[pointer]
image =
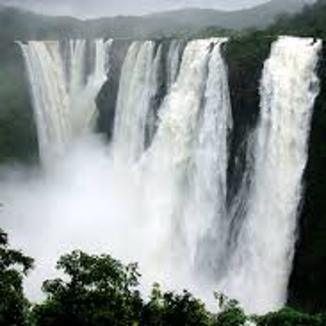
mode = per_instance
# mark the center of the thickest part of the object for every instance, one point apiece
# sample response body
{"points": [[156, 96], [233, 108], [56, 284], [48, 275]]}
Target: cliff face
{"points": [[107, 98], [245, 59], [17, 129]]}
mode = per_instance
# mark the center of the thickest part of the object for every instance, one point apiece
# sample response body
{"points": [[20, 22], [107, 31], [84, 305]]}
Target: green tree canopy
{"points": [[14, 266], [99, 291], [170, 309]]}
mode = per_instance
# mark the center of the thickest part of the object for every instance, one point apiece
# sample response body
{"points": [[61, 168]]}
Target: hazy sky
{"points": [[93, 8]]}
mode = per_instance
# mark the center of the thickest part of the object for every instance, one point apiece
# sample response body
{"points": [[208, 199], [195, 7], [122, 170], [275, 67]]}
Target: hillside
{"points": [[19, 24], [256, 17]]}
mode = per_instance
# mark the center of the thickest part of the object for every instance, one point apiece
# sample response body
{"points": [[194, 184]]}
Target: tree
{"points": [[230, 312], [290, 317], [14, 266], [170, 309], [99, 291]]}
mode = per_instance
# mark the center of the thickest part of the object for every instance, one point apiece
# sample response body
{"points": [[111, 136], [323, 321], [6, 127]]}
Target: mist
{"points": [[82, 200], [97, 8]]}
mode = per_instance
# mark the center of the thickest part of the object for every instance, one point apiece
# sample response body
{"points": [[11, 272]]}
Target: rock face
{"points": [[18, 140], [106, 100], [245, 59]]}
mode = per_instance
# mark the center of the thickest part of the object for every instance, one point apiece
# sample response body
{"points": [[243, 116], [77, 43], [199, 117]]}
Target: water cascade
{"points": [[64, 89], [160, 196], [184, 171], [138, 86], [262, 261]]}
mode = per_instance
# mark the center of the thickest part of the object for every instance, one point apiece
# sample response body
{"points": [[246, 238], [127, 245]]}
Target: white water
{"points": [[262, 264], [165, 206], [173, 61], [208, 180], [138, 85], [176, 169], [64, 102]]}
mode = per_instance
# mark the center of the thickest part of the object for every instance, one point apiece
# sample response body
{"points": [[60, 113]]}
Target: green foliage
{"points": [[99, 291], [231, 317], [290, 317], [102, 291], [169, 309], [14, 266], [230, 312], [310, 22]]}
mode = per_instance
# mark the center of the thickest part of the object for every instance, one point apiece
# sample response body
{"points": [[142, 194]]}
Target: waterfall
{"points": [[159, 191], [208, 180], [173, 60], [63, 96], [184, 171], [136, 90], [263, 258]]}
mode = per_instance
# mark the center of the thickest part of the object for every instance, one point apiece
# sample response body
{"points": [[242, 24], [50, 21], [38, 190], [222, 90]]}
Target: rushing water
{"points": [[63, 93], [263, 258], [138, 85], [158, 193]]}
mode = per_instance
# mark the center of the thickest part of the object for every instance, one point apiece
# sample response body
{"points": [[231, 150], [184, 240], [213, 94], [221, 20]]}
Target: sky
{"points": [[97, 8]]}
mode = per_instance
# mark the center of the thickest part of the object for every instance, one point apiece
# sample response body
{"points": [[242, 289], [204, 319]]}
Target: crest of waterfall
{"points": [[64, 100], [259, 273]]}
